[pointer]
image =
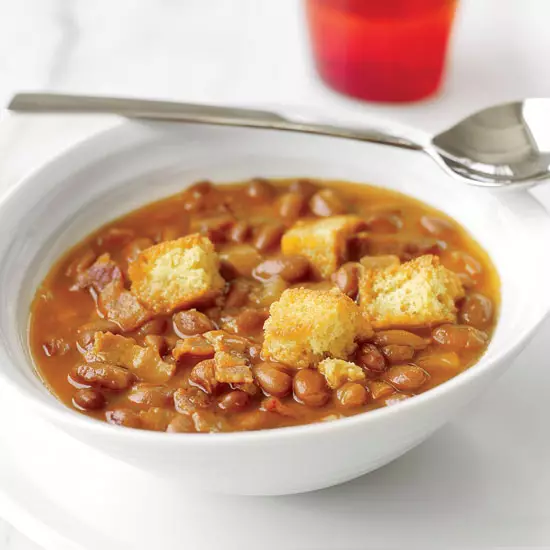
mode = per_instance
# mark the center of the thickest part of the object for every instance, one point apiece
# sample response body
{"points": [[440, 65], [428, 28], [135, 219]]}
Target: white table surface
{"points": [[255, 51]]}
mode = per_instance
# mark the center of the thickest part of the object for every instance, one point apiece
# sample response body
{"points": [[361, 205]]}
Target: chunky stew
{"points": [[262, 304]]}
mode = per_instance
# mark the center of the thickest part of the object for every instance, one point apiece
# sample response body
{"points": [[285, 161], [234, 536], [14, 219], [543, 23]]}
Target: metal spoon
{"points": [[502, 146]]}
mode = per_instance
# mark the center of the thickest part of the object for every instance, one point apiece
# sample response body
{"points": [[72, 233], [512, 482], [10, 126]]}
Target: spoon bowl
{"points": [[505, 145]]}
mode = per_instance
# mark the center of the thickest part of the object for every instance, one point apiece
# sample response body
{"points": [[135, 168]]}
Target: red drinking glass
{"points": [[381, 50]]}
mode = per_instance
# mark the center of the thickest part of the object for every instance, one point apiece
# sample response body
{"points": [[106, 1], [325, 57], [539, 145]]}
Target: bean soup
{"points": [[262, 304]]}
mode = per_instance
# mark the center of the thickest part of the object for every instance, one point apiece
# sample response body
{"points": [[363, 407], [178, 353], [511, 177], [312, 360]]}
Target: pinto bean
{"points": [[438, 227], [440, 362], [217, 227], [291, 205], [234, 401], [261, 190], [242, 259], [55, 346], [291, 268], [396, 354], [238, 292], [273, 379], [466, 281], [155, 327], [240, 232], [310, 388], [268, 236], [351, 395], [400, 338], [227, 270], [194, 198], [346, 279], [203, 375], [304, 187], [250, 321], [457, 337], [384, 223], [269, 292], [254, 352], [151, 395], [476, 310], [420, 247], [380, 389], [370, 357], [463, 263], [89, 399], [406, 377], [86, 333], [187, 401], [326, 203], [103, 375], [191, 323], [201, 188]]}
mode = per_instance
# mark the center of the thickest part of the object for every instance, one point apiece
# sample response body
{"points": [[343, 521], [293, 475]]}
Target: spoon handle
{"points": [[190, 112]]}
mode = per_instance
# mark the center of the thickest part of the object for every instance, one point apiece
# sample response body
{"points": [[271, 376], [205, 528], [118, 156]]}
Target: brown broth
{"points": [[58, 312]]}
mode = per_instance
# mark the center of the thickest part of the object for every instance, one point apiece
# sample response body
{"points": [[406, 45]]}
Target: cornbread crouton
{"points": [[322, 242], [306, 326], [338, 372], [143, 361], [417, 293], [176, 274]]}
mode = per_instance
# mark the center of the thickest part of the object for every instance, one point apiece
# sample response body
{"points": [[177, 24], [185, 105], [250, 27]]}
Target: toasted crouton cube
{"points": [[338, 372], [415, 294], [305, 326], [323, 242], [176, 274]]}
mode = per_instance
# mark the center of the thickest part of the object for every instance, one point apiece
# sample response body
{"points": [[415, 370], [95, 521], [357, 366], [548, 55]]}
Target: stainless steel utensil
{"points": [[502, 146]]}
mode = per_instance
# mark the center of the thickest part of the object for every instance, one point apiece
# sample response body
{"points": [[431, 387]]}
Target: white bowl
{"points": [[135, 163]]}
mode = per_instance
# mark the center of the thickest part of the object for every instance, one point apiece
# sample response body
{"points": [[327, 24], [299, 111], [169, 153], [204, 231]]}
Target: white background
{"points": [[484, 480]]}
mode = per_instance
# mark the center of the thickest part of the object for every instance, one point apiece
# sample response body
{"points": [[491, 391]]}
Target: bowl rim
{"points": [[57, 412]]}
